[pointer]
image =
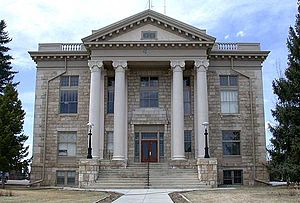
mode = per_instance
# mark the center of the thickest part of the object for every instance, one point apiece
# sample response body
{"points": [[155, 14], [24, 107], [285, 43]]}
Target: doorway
{"points": [[149, 151]]}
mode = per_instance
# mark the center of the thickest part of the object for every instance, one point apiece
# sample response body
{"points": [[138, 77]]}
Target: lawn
{"points": [[245, 194], [26, 195]]}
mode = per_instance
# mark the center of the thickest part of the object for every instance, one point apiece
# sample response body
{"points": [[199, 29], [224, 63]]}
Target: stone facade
{"points": [[149, 59]]}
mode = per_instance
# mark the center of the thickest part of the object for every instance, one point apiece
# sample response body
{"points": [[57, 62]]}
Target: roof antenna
{"points": [[149, 2], [165, 7]]}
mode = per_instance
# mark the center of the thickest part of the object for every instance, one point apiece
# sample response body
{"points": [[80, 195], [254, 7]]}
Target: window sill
{"points": [[68, 114], [232, 156], [230, 115]]}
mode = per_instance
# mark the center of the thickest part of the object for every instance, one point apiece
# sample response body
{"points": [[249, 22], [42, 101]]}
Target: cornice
{"points": [[142, 44], [241, 55], [39, 56]]}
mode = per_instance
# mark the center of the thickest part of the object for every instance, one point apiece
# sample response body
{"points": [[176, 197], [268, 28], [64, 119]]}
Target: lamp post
{"points": [[205, 124], [90, 126]]}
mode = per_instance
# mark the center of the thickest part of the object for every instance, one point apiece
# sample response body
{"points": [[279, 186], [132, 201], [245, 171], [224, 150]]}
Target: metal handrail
{"points": [[148, 174]]}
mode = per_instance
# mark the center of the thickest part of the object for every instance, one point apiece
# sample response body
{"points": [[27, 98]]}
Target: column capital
{"points": [[201, 65], [119, 63], [95, 65], [177, 63]]}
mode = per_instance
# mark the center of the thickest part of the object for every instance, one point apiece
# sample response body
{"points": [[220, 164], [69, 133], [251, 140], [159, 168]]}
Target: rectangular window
{"points": [[229, 101], [65, 177], [187, 95], [231, 177], [67, 144], [229, 94], [69, 94], [136, 147], [149, 92], [110, 142], [60, 177], [187, 141], [110, 94], [71, 177], [161, 145], [146, 35], [231, 142]]}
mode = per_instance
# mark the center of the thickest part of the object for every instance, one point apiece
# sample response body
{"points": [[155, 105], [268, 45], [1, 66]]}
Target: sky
{"points": [[30, 22]]}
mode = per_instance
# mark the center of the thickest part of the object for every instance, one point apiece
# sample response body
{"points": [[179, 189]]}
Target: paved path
{"points": [[144, 195]]}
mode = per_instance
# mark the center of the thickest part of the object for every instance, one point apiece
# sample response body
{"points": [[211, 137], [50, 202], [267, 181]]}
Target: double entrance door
{"points": [[149, 151]]}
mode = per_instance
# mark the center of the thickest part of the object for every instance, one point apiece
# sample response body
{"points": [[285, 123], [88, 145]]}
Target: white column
{"points": [[120, 110], [177, 110], [95, 106], [202, 103]]}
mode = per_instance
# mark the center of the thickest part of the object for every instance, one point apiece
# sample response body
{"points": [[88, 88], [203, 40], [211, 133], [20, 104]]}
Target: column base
{"points": [[178, 158], [118, 158]]}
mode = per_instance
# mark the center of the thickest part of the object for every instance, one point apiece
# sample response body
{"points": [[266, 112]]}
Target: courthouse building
{"points": [[147, 84]]}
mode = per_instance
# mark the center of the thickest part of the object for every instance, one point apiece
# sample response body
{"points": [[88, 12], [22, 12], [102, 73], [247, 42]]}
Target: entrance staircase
{"points": [[135, 176]]}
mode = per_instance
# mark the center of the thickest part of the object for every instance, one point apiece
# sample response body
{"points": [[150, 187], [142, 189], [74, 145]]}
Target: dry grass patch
{"points": [[246, 194], [25, 195]]}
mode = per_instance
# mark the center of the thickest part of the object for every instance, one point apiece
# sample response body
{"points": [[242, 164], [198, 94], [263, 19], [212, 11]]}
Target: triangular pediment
{"points": [[136, 35], [130, 30]]}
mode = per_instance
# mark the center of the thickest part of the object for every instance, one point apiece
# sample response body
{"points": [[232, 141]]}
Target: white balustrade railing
{"points": [[227, 46], [72, 47]]}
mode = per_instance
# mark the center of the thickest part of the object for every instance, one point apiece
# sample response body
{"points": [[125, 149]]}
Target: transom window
{"points": [[231, 142], [67, 143], [187, 95], [228, 80], [229, 94], [146, 35], [110, 94], [69, 94], [231, 177], [149, 92]]}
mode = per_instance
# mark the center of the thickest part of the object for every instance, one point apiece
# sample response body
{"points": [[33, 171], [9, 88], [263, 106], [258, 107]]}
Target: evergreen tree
{"points": [[12, 150], [6, 74], [285, 150]]}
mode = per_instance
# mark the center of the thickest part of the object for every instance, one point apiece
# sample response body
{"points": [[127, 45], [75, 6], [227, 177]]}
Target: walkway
{"points": [[144, 195]]}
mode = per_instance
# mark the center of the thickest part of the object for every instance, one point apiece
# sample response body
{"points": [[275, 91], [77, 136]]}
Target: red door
{"points": [[149, 151]]}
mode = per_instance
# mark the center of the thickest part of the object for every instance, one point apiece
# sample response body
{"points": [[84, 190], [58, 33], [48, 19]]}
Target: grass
{"points": [[246, 194], [26, 195]]}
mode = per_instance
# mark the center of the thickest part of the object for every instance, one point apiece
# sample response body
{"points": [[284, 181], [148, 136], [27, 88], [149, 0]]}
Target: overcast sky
{"points": [[30, 22]]}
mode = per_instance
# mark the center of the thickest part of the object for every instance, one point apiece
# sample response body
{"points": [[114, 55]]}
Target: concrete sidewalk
{"points": [[144, 195]]}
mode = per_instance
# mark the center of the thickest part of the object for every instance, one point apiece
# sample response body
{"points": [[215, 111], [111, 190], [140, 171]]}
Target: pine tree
{"points": [[285, 150], [12, 150], [6, 74]]}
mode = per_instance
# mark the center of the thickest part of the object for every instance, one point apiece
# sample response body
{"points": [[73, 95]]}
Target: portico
{"points": [[120, 137]]}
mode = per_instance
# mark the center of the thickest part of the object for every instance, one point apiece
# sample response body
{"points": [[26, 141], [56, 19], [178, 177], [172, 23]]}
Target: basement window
{"points": [[232, 177]]}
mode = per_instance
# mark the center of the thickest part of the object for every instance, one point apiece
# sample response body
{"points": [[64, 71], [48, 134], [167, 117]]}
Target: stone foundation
{"points": [[207, 171], [88, 172]]}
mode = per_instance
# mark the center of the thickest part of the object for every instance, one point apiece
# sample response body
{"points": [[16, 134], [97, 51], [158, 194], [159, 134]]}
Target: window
{"points": [[146, 35], [136, 147], [149, 92], [229, 93], [110, 94], [187, 95], [187, 141], [110, 142], [67, 144], [65, 177], [69, 94], [231, 177], [161, 145], [231, 142]]}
